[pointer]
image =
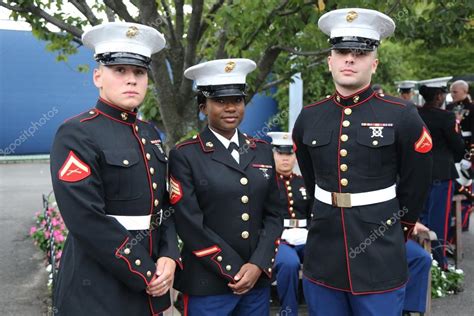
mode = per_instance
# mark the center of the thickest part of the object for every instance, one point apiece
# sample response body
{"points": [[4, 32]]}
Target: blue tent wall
{"points": [[37, 94]]}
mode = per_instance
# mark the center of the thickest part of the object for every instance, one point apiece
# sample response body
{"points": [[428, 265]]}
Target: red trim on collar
{"points": [[117, 107], [356, 93], [113, 118], [203, 146], [356, 104]]}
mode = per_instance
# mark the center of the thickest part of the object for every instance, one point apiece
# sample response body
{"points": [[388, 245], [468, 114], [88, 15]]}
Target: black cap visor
{"points": [[283, 149], [119, 58], [354, 43], [230, 90]]}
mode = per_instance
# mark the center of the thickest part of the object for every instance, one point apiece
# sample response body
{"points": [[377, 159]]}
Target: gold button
{"points": [[343, 167], [287, 182], [338, 98], [125, 162], [143, 141], [389, 222], [195, 136], [219, 258], [278, 241], [148, 274], [293, 215], [276, 249], [291, 202], [124, 116], [347, 111], [152, 170], [91, 112], [291, 208], [209, 144], [346, 123], [228, 267], [343, 152], [290, 194], [138, 262], [269, 269], [245, 217], [245, 234], [155, 186], [405, 228], [156, 202], [344, 182], [355, 99], [126, 251], [273, 260], [244, 181], [344, 137], [148, 156], [289, 188], [375, 143], [244, 199], [136, 128], [313, 142]]}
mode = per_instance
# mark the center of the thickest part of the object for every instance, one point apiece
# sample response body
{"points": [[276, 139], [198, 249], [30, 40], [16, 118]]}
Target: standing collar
{"points": [[354, 99], [226, 142], [116, 113]]}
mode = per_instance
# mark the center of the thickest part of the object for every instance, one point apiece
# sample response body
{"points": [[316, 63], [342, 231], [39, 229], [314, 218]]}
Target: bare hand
{"points": [[420, 228], [164, 276], [245, 279]]}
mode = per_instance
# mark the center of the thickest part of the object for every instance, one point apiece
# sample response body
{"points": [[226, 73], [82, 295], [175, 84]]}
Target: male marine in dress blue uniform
{"points": [[448, 148], [366, 158], [296, 216], [109, 178], [228, 208]]}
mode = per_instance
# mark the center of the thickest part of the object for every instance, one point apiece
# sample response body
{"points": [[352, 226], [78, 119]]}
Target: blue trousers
{"points": [[419, 265], [287, 267], [323, 301], [256, 302], [437, 217]]}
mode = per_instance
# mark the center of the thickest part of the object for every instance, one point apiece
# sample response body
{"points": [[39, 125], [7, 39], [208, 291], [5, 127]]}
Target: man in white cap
{"points": [[228, 209], [366, 159], [296, 219], [109, 178]]}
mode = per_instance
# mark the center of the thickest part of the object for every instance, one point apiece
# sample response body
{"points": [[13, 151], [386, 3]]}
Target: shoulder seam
{"points": [[194, 141], [392, 102]]}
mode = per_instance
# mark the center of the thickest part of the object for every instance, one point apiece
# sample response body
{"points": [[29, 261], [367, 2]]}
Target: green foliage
{"points": [[445, 282]]}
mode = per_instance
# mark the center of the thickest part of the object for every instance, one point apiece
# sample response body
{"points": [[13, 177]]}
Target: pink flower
{"points": [[32, 230], [54, 222], [46, 234], [59, 254], [43, 222], [58, 236]]}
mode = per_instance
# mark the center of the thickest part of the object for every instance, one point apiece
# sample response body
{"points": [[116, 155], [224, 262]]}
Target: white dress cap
{"points": [[124, 37], [357, 22], [221, 72], [281, 138]]}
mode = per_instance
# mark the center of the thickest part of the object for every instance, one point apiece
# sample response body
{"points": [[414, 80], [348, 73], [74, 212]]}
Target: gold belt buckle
{"points": [[293, 223], [341, 199]]}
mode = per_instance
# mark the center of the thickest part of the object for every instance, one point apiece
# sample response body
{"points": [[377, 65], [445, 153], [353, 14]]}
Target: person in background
{"points": [[228, 210], [448, 148], [297, 216]]}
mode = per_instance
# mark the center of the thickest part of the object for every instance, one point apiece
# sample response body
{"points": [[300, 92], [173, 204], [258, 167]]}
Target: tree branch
{"points": [[168, 20], [30, 8], [265, 65], [179, 18], [193, 32], [120, 9], [265, 24], [82, 6], [209, 17]]}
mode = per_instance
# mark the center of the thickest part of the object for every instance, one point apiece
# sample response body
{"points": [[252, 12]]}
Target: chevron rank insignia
{"points": [[424, 143], [73, 169], [176, 193]]}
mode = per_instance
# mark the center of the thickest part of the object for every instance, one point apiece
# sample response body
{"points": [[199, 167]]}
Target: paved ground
{"points": [[23, 277]]}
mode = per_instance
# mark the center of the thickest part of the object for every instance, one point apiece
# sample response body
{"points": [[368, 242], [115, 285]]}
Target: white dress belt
{"points": [[354, 199], [466, 134], [141, 222], [294, 223]]}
